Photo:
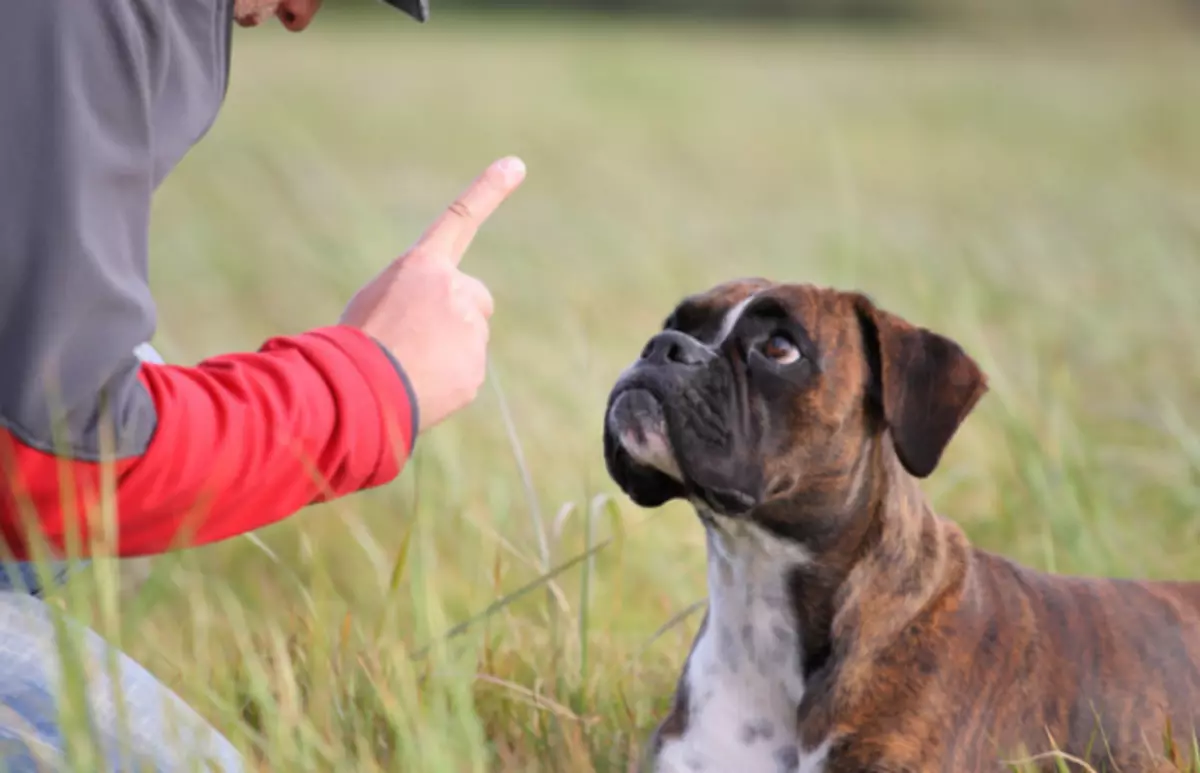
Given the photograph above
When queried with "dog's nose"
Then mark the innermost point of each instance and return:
(671, 346)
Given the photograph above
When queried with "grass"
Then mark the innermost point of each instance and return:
(1034, 198)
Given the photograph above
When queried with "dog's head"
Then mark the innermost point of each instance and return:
(756, 392)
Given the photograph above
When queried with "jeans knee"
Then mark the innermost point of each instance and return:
(163, 732)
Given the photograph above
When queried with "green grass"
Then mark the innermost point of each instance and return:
(1035, 199)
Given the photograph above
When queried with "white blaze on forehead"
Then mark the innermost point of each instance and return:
(653, 448)
(731, 319)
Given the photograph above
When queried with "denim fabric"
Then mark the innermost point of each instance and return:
(22, 576)
(162, 733)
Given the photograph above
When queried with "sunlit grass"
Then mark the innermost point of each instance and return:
(1036, 201)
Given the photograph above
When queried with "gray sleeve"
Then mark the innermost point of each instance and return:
(76, 178)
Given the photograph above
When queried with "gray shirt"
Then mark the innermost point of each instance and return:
(99, 100)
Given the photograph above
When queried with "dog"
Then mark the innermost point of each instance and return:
(849, 628)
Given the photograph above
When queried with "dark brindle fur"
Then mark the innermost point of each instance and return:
(919, 652)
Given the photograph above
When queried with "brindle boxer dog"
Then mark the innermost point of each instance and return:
(850, 629)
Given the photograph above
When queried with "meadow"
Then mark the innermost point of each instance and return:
(502, 606)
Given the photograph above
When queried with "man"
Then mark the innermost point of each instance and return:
(99, 101)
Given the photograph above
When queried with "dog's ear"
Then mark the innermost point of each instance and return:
(924, 383)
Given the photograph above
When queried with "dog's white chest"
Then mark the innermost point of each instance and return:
(744, 678)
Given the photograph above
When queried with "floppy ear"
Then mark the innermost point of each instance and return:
(924, 382)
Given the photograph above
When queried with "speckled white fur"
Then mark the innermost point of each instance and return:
(744, 677)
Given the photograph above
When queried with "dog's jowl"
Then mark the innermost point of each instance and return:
(850, 629)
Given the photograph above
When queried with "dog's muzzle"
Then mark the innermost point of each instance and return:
(637, 420)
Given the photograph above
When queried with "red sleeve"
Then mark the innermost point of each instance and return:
(242, 441)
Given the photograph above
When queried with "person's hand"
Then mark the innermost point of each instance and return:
(431, 316)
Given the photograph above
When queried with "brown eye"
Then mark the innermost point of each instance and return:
(780, 349)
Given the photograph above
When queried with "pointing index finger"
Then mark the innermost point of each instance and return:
(450, 235)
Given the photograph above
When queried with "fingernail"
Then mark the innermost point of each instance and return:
(512, 168)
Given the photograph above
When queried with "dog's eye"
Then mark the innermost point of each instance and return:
(780, 349)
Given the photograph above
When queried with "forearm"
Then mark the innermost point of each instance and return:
(241, 441)
(195, 454)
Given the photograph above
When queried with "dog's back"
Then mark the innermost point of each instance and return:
(799, 422)
(1128, 638)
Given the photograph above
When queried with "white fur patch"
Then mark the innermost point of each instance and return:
(731, 319)
(744, 677)
(653, 450)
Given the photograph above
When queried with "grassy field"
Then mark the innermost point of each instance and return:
(1036, 200)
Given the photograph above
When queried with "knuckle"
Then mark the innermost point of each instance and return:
(461, 308)
(471, 389)
(482, 296)
(461, 209)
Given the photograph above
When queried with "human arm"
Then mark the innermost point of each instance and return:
(197, 454)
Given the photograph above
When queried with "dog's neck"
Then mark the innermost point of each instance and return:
(822, 555)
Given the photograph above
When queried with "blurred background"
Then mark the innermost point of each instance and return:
(1022, 176)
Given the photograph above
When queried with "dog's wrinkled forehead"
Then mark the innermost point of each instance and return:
(713, 316)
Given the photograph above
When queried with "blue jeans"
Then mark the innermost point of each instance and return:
(157, 732)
